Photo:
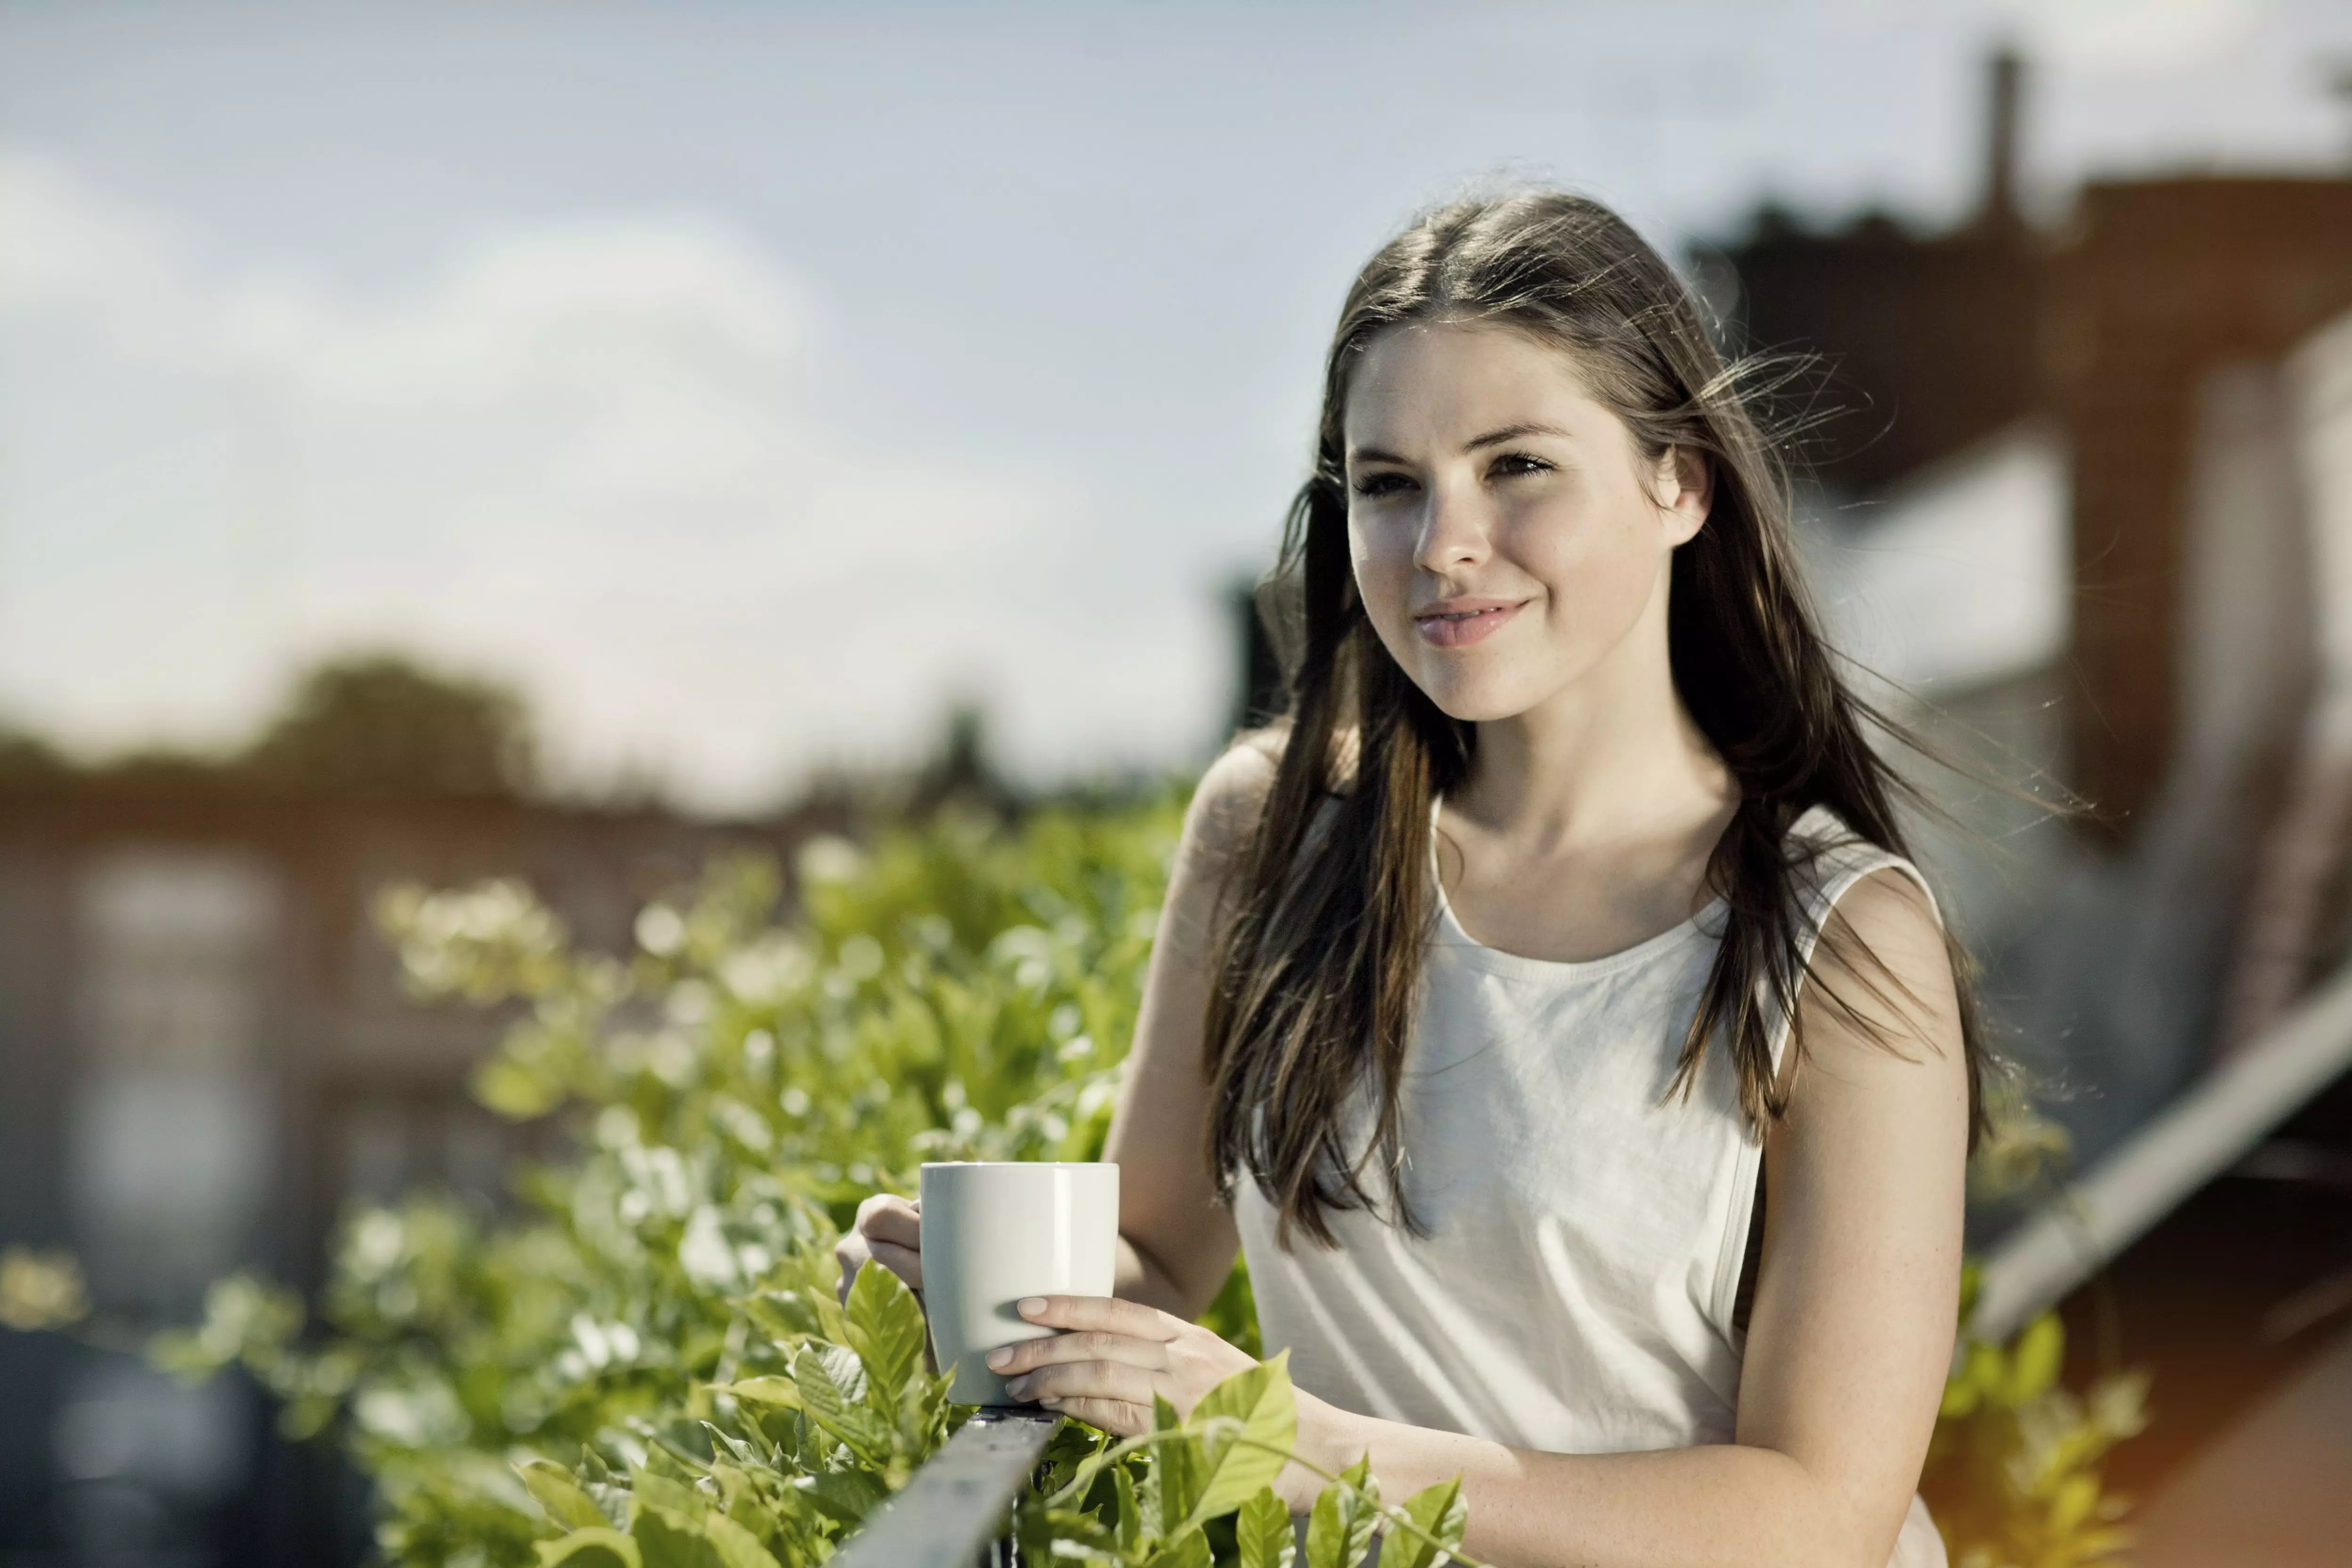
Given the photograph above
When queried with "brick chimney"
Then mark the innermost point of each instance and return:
(2003, 108)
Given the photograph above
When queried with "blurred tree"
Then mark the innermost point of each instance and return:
(959, 776)
(378, 721)
(25, 755)
(962, 773)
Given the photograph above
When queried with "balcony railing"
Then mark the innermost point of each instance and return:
(952, 1513)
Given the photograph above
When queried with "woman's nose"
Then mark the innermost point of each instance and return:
(1452, 530)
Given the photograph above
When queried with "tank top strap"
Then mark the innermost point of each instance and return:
(1828, 857)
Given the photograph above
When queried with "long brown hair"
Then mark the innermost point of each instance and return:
(1317, 965)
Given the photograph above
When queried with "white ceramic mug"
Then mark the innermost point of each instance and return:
(994, 1231)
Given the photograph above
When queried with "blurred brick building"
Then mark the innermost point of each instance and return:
(209, 1053)
(2082, 513)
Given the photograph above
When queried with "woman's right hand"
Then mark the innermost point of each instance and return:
(888, 1231)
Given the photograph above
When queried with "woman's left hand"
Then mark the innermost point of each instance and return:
(1112, 1358)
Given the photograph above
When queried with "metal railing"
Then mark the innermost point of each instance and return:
(951, 1514)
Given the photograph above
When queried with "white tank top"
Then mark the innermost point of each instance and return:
(1574, 1291)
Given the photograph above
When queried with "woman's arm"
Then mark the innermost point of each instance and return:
(1176, 1241)
(1846, 1352)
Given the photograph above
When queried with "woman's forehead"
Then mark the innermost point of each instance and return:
(1425, 379)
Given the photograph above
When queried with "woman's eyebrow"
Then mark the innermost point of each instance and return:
(1512, 433)
(1475, 444)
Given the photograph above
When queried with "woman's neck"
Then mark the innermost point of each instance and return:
(1612, 756)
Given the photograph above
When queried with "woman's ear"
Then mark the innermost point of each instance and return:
(1684, 491)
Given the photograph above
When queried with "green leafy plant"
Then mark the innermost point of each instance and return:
(40, 1290)
(644, 1360)
(1200, 1490)
(950, 991)
(2012, 1472)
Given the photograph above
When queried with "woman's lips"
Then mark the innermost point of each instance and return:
(1461, 626)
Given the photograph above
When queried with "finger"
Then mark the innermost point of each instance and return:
(1090, 1345)
(904, 1262)
(1115, 1416)
(1086, 1380)
(851, 1253)
(888, 1218)
(1108, 1314)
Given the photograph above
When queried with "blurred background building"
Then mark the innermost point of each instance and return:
(2077, 502)
(210, 1054)
(2084, 519)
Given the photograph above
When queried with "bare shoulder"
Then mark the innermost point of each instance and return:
(1881, 981)
(1891, 915)
(1232, 795)
(1218, 826)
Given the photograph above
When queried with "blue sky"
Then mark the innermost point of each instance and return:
(745, 381)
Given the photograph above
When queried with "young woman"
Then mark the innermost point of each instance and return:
(1545, 1005)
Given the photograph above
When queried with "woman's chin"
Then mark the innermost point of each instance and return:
(1474, 701)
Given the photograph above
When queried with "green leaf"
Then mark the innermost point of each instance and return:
(2098, 1545)
(831, 1322)
(1251, 1407)
(1088, 1469)
(844, 1495)
(2117, 1404)
(2070, 1508)
(1179, 1465)
(1147, 1499)
(653, 1490)
(1130, 1514)
(611, 1498)
(516, 1091)
(2033, 1362)
(555, 1490)
(1190, 1550)
(1340, 1531)
(1262, 1530)
(1984, 1371)
(831, 1407)
(885, 1328)
(1438, 1509)
(675, 1438)
(737, 1547)
(1039, 1528)
(668, 1540)
(841, 1363)
(781, 1393)
(922, 1415)
(735, 1447)
(784, 1316)
(599, 1546)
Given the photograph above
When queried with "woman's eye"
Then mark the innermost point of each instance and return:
(1382, 484)
(1510, 465)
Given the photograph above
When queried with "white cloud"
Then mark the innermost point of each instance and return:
(72, 251)
(591, 454)
(2130, 35)
(613, 304)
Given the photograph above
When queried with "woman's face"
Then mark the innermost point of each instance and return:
(1509, 539)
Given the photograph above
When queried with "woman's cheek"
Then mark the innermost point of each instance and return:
(1605, 592)
(1384, 581)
